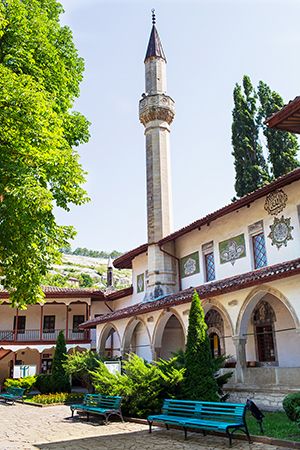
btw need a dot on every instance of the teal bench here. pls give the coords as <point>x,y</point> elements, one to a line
<point>104,405</point>
<point>12,394</point>
<point>206,416</point>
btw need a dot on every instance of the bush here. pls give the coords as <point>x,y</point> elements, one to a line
<point>79,364</point>
<point>44,383</point>
<point>61,397</point>
<point>26,383</point>
<point>291,406</point>
<point>143,386</point>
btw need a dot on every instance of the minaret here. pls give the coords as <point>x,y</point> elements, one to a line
<point>156,112</point>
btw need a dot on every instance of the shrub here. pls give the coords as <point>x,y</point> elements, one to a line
<point>291,406</point>
<point>26,383</point>
<point>200,382</point>
<point>44,383</point>
<point>61,397</point>
<point>143,386</point>
<point>79,364</point>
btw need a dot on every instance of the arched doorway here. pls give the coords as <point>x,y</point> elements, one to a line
<point>136,340</point>
<point>109,346</point>
<point>215,331</point>
<point>169,335</point>
<point>263,322</point>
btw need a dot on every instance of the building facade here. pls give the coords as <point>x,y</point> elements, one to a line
<point>244,260</point>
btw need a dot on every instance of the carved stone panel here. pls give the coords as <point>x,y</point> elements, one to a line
<point>276,202</point>
<point>281,231</point>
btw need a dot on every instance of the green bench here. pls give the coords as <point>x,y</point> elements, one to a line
<point>104,405</point>
<point>12,394</point>
<point>206,416</point>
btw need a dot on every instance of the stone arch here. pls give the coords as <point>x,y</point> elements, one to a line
<point>277,336</point>
<point>252,299</point>
<point>137,339</point>
<point>109,343</point>
<point>169,334</point>
<point>225,335</point>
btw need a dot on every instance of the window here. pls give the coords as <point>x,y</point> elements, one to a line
<point>20,324</point>
<point>209,261</point>
<point>77,320</point>
<point>259,251</point>
<point>215,331</point>
<point>257,238</point>
<point>49,324</point>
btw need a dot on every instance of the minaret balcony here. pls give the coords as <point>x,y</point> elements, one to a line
<point>156,107</point>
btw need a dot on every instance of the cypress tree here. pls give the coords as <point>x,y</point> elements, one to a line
<point>199,383</point>
<point>250,165</point>
<point>282,145</point>
<point>59,378</point>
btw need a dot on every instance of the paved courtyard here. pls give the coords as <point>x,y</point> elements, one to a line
<point>27,428</point>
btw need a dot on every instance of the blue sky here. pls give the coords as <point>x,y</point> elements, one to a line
<point>209,46</point>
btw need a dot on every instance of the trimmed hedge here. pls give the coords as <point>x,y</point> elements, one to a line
<point>291,406</point>
<point>60,397</point>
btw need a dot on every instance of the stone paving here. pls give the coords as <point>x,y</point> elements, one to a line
<point>27,428</point>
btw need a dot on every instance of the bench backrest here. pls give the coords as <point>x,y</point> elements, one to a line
<point>216,411</point>
<point>16,391</point>
<point>91,399</point>
<point>109,402</point>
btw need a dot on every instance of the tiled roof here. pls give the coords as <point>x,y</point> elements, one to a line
<point>287,118</point>
<point>125,261</point>
<point>207,290</point>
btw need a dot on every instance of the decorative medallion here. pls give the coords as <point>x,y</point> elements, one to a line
<point>189,265</point>
<point>276,202</point>
<point>281,231</point>
<point>232,249</point>
<point>140,283</point>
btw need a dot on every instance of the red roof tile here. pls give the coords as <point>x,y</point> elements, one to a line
<point>207,290</point>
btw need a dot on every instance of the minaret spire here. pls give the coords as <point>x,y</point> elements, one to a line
<point>156,112</point>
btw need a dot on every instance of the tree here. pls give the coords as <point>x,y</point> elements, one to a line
<point>59,377</point>
<point>282,145</point>
<point>40,72</point>
<point>79,364</point>
<point>200,383</point>
<point>250,166</point>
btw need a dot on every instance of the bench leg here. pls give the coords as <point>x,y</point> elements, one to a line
<point>121,416</point>
<point>185,433</point>
<point>150,425</point>
<point>247,434</point>
<point>87,416</point>
<point>167,426</point>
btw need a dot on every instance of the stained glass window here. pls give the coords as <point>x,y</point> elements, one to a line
<point>210,266</point>
<point>259,251</point>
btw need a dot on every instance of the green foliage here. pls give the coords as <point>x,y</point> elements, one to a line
<point>143,385</point>
<point>80,364</point>
<point>282,145</point>
<point>62,397</point>
<point>200,383</point>
<point>25,383</point>
<point>44,383</point>
<point>95,253</point>
<point>250,166</point>
<point>59,377</point>
<point>291,406</point>
<point>40,72</point>
<point>85,280</point>
<point>276,425</point>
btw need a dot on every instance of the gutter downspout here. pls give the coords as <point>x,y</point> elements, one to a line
<point>178,264</point>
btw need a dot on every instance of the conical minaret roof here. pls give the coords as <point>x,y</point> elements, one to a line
<point>154,48</point>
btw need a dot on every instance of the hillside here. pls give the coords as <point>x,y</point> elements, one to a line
<point>85,271</point>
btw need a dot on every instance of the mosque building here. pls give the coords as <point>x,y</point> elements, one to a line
<point>243,260</point>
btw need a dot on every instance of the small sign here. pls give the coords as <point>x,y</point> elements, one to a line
<point>113,367</point>
<point>24,370</point>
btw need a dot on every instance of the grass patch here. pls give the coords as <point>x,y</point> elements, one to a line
<point>276,425</point>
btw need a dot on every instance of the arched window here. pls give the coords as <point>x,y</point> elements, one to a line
<point>215,330</point>
<point>263,321</point>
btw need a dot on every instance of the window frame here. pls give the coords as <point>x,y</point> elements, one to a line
<point>49,317</point>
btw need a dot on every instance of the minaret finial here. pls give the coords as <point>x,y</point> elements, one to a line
<point>153,16</point>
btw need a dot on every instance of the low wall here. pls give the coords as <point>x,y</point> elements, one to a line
<point>266,386</point>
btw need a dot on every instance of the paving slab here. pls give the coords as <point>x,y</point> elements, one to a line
<point>24,427</point>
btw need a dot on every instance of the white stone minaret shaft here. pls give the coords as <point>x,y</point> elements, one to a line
<point>156,112</point>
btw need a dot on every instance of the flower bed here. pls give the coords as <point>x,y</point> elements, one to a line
<point>54,399</point>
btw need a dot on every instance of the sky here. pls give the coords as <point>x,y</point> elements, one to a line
<point>209,45</point>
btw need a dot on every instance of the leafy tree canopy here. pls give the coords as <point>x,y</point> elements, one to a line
<point>40,72</point>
